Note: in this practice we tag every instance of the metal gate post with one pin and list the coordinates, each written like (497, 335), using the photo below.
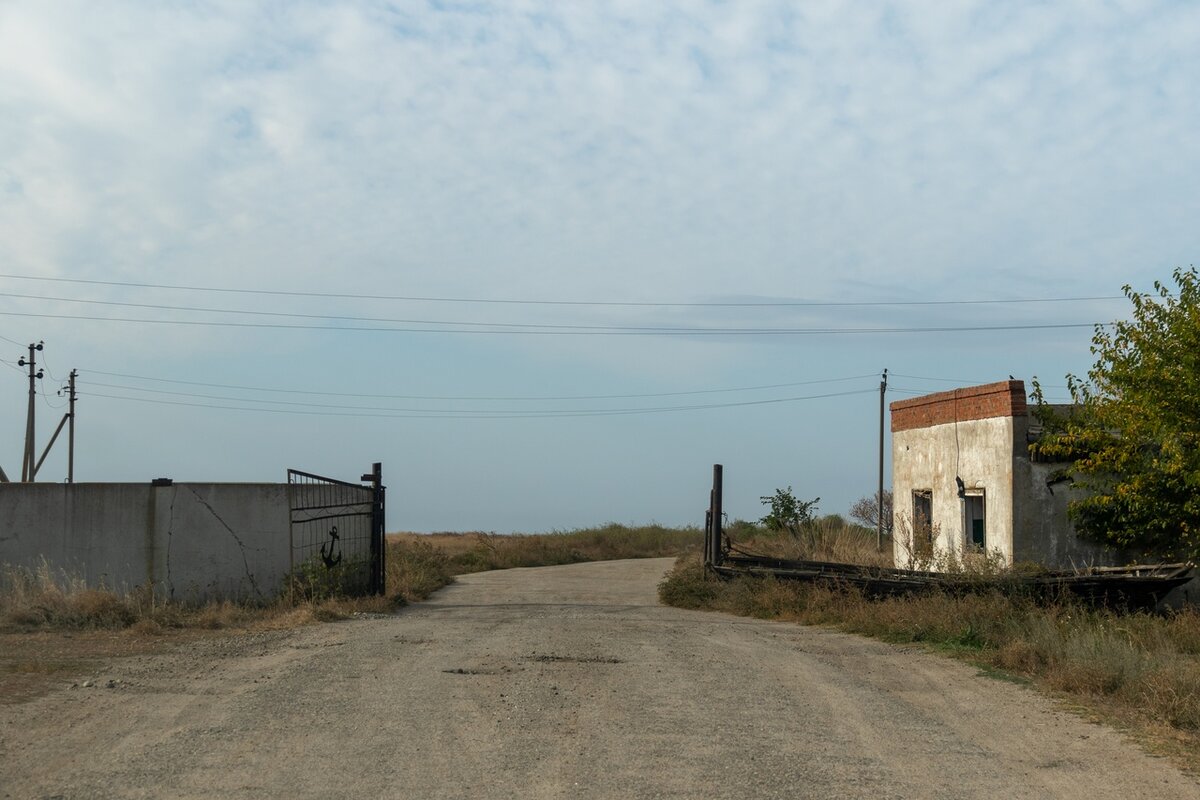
(708, 533)
(378, 548)
(716, 516)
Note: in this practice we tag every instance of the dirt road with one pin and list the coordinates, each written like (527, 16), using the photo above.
(560, 682)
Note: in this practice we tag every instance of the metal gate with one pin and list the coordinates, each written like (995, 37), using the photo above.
(336, 533)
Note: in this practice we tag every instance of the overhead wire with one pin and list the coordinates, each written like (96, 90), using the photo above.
(962, 381)
(512, 301)
(277, 390)
(490, 415)
(565, 331)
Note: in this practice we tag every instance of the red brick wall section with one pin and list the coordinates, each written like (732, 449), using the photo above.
(1003, 399)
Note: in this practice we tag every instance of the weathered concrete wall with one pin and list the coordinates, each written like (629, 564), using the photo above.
(980, 452)
(191, 541)
(1043, 532)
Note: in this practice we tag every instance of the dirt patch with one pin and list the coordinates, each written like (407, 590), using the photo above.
(32, 664)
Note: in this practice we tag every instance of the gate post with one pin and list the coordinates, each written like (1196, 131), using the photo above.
(708, 533)
(716, 516)
(378, 546)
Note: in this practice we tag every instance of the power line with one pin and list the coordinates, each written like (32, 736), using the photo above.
(622, 331)
(485, 327)
(291, 315)
(439, 412)
(919, 392)
(46, 397)
(501, 301)
(516, 415)
(963, 382)
(276, 390)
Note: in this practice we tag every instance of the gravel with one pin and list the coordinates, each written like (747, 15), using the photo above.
(560, 682)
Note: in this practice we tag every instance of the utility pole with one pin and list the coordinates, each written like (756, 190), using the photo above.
(68, 417)
(27, 465)
(879, 497)
(71, 430)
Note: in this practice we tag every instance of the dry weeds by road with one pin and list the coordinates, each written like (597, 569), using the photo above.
(559, 682)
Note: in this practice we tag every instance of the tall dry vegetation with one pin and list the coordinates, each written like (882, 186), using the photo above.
(828, 538)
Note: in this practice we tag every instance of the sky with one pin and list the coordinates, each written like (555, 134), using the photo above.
(549, 262)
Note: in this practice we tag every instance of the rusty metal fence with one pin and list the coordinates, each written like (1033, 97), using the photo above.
(336, 531)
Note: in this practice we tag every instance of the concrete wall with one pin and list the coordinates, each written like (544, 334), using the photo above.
(191, 541)
(980, 452)
(1043, 532)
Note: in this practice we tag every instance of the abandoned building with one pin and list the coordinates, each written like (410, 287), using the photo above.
(963, 481)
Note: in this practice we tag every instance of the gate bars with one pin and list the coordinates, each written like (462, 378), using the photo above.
(336, 531)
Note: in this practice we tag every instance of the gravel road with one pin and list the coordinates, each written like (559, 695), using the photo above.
(560, 682)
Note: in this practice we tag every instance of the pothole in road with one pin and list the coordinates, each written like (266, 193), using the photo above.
(412, 640)
(553, 659)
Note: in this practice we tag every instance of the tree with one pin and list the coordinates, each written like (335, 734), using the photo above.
(1133, 436)
(866, 511)
(788, 513)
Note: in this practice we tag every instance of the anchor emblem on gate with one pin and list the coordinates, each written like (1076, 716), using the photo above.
(327, 557)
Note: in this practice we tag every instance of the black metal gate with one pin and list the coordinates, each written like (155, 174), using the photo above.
(337, 533)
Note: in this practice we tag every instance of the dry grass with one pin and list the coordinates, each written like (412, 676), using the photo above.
(43, 599)
(477, 552)
(826, 539)
(1141, 668)
(417, 565)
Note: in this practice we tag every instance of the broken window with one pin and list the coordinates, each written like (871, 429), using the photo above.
(922, 521)
(975, 508)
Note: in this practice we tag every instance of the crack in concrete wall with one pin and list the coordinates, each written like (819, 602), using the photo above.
(241, 545)
(170, 535)
(125, 535)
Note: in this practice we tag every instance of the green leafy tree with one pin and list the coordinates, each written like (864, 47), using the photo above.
(1133, 436)
(788, 513)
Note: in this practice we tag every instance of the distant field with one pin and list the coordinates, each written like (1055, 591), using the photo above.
(477, 551)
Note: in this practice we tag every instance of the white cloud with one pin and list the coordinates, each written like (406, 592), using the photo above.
(595, 151)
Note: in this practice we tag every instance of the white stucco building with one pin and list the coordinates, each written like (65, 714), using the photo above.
(963, 481)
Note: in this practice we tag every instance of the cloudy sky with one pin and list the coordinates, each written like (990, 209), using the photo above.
(549, 262)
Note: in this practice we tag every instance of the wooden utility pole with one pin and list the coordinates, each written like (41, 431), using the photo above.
(879, 497)
(27, 464)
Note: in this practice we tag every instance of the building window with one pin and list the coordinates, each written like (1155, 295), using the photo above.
(922, 521)
(975, 509)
